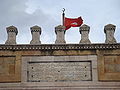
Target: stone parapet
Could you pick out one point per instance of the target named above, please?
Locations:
(60, 34)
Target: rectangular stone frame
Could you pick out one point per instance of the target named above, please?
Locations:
(26, 59)
(11, 68)
(59, 71)
(104, 74)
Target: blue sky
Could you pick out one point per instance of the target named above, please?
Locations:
(47, 14)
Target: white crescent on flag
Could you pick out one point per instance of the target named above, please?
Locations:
(74, 23)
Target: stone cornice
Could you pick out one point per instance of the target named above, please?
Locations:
(26, 47)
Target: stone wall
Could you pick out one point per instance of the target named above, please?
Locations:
(102, 59)
(60, 66)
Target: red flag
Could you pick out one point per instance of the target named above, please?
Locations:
(72, 22)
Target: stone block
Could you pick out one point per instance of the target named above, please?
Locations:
(35, 31)
(8, 68)
(12, 32)
(84, 31)
(109, 31)
(109, 68)
(58, 69)
(60, 34)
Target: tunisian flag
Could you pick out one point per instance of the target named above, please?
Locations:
(72, 22)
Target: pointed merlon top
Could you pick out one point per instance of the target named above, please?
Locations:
(60, 27)
(35, 27)
(109, 27)
(85, 27)
(12, 29)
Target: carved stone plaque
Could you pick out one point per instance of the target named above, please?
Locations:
(56, 71)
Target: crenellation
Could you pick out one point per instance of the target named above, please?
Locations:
(60, 34)
(84, 31)
(36, 32)
(12, 32)
(12, 29)
(109, 31)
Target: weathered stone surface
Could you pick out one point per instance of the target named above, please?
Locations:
(12, 32)
(109, 31)
(109, 65)
(62, 47)
(8, 69)
(84, 31)
(60, 66)
(71, 86)
(59, 71)
(60, 34)
(102, 56)
(35, 31)
(6, 64)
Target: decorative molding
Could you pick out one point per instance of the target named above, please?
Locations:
(21, 47)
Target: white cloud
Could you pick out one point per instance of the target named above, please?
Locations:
(15, 14)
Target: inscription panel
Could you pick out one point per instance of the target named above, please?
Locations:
(56, 71)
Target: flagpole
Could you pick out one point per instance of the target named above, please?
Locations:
(63, 16)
